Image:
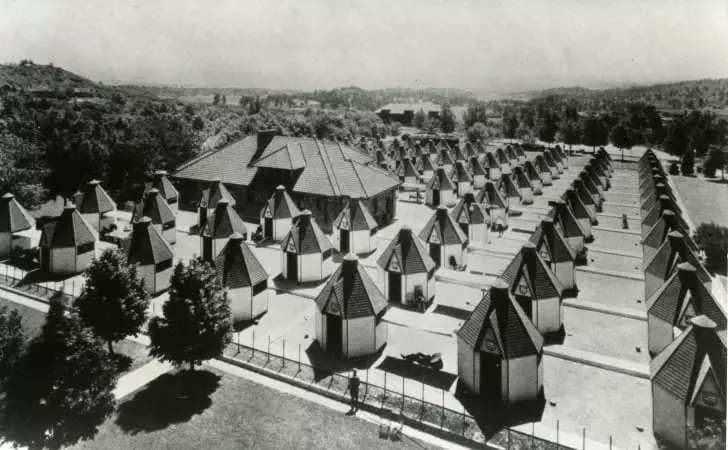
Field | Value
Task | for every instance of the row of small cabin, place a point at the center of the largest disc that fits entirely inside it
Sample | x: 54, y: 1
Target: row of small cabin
x: 686, y: 322
x: 500, y: 346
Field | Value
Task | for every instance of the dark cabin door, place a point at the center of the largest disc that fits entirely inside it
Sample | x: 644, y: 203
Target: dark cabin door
x: 201, y: 217
x: 207, y: 249
x: 395, y: 287
x: 435, y: 197
x: 268, y: 228
x: 435, y: 253
x: 45, y: 258
x: 333, y: 334
x: 490, y: 377
x: 344, y: 241
x: 527, y: 305
x: 292, y: 264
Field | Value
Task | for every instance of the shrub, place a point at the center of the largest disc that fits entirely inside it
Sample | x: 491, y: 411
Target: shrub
x: 674, y: 168
x: 713, y: 240
x: 687, y: 165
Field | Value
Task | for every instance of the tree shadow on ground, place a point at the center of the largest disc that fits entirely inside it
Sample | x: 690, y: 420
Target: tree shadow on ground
x: 325, y: 364
x: 717, y: 181
x: 283, y: 284
x: 168, y: 400
x: 429, y: 376
x: 121, y: 362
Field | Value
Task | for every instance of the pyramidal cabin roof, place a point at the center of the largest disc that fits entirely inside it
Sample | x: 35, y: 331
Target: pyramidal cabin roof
x: 666, y: 224
x: 511, y: 153
x: 445, y: 158
x: 93, y: 199
x: 280, y: 205
x: 583, y: 192
x: 684, y: 294
x: 161, y: 182
x: 501, y: 156
x: 540, y: 164
x: 13, y: 217
x: 663, y: 204
x: 521, y: 179
x: 564, y: 219
x: 441, y: 229
x: 407, y: 254
x: 237, y: 266
x: 353, y: 290
x: 507, y: 186
x: 531, y: 171
x: 440, y: 181
x: 528, y: 275
x: 214, y: 192
x: 687, y: 363
x: 519, y: 150
x: 550, y: 243
x: 355, y: 217
x: 70, y: 229
x: 577, y: 206
x: 305, y: 236
x: 548, y: 159
x: 154, y: 207
x: 147, y: 245
x: 424, y: 164
x: 459, y: 173
x: 407, y: 168
x: 673, y: 251
x: 475, y: 167
x: 489, y: 161
x: 468, y: 210
x: 224, y: 222
x: 490, y: 196
x: 499, y: 326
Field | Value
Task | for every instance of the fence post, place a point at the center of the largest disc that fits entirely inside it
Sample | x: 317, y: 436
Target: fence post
x: 402, y: 409
x: 557, y: 434
x: 299, y: 357
x: 268, y: 346
x: 583, y: 439
x: 253, y: 343
x: 610, y: 442
x: 442, y: 411
x: 533, y: 431
x: 284, y: 353
x: 237, y: 335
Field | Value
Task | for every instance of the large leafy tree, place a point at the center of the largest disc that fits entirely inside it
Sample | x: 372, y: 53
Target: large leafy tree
x: 419, y: 119
x: 510, y: 124
x: 197, y: 324
x: 548, y: 127
x: 475, y: 112
x: 713, y: 239
x: 61, y: 389
x: 677, y: 139
x: 716, y: 160
x: 477, y: 132
x: 570, y: 132
x: 12, y: 341
x: 594, y: 132
x: 114, y: 301
x: 447, y: 120
x: 621, y: 137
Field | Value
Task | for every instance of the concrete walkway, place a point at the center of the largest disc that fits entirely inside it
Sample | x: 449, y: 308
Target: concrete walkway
x: 140, y: 377
x: 612, y: 273
x: 629, y: 313
x: 618, y: 365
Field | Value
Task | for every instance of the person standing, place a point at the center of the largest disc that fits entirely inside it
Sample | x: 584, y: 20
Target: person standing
x: 354, y: 382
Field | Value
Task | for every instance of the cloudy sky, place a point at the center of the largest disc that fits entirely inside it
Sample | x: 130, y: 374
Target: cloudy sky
x: 474, y: 44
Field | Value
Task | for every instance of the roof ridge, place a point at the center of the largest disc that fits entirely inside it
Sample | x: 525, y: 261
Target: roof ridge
x: 327, y: 165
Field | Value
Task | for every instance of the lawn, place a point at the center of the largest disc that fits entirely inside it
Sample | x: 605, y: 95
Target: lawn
x: 33, y: 319
x: 226, y: 412
x: 705, y: 200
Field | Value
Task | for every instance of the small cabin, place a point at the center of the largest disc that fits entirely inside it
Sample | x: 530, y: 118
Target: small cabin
x: 278, y: 214
x: 445, y: 160
x: 350, y: 312
x: 446, y: 242
x: 462, y: 179
x: 440, y: 190
x: 67, y: 243
x: 580, y: 212
x: 551, y: 164
x: 503, y: 162
x: 14, y: 220
x: 557, y: 160
x: 355, y: 229
x: 306, y: 252
x: 160, y: 181
x: 568, y: 225
x: 533, y: 177
x: 95, y: 204
x: 688, y: 381
x: 592, y: 189
x: 599, y: 172
x: 478, y: 172
x: 244, y: 278
x: 554, y: 249
x: 472, y: 218
x: 209, y: 198
x: 507, y: 187
x: 512, y: 156
x: 407, y: 172
x: 500, y: 351
x: 679, y: 299
x: 220, y: 225
x: 495, y: 205
x: 525, y: 190
x: 152, y: 254
x: 586, y: 198
x: 596, y: 180
x: 424, y: 166
x: 406, y: 270
x: 664, y: 203
x: 659, y: 232
x: 543, y: 170
x: 536, y: 289
x: 490, y: 163
x: 157, y: 209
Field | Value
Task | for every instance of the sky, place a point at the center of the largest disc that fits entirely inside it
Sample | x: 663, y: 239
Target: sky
x: 482, y: 45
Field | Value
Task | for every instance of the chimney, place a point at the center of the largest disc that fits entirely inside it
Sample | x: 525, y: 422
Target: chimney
x: 141, y: 224
x: 264, y: 138
x: 704, y: 330
x: 348, y: 272
x: 686, y: 272
x: 236, y: 238
x: 675, y: 238
x: 499, y: 294
x: 222, y: 205
x: 668, y: 216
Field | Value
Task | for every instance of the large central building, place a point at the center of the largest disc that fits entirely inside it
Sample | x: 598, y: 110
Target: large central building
x: 318, y: 174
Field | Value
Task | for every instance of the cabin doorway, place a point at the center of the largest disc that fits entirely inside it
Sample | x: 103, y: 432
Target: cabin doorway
x: 435, y: 197
x: 292, y: 265
x: 490, y: 377
x: 435, y: 253
x: 344, y: 241
x: 395, y: 287
x: 333, y: 334
x: 268, y: 228
x: 207, y: 249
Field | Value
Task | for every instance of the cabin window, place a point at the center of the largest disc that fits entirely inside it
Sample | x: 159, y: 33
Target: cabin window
x: 172, y: 200
x: 327, y: 254
x: 162, y: 266
x: 168, y: 225
x: 85, y: 248
x: 431, y: 273
x: 319, y: 203
x: 372, y: 231
x: 260, y: 287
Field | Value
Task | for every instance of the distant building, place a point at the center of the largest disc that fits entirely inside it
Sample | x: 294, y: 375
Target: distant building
x: 495, y: 204
x: 220, y: 225
x: 543, y: 170
x: 567, y: 224
x: 534, y: 177
x: 209, y: 196
x: 472, y: 218
x: 157, y: 209
x: 166, y: 189
x: 580, y: 211
x: 553, y: 248
x: 654, y: 238
x: 404, y: 113
x: 440, y: 190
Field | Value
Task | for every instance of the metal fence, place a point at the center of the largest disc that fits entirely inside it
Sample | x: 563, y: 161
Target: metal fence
x: 45, y: 291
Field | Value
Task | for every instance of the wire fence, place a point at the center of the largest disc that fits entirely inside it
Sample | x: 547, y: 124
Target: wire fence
x: 45, y: 290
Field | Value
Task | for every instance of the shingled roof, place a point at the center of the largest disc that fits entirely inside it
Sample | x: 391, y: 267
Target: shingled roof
x: 154, y: 207
x: 498, y: 325
x: 548, y: 238
x: 280, y: 205
x: 353, y: 290
x: 163, y: 185
x: 326, y: 168
x: 673, y: 251
x: 475, y: 167
x: 565, y: 219
x: 440, y: 181
x: 459, y: 173
x: 70, y: 229
x: 442, y: 229
x: 528, y: 266
x: 214, y: 192
x: 697, y: 354
x: 305, y: 236
x: 13, y: 217
x: 355, y: 217
x: 521, y: 179
x: 577, y: 206
x: 407, y: 169
x: 531, y: 171
x: 409, y: 251
x: 93, y: 199
x: 469, y: 210
x: 237, y: 266
x: 490, y: 196
x: 424, y: 164
x: 224, y: 222
x: 147, y: 245
x: 501, y: 157
x: 663, y: 204
x: 489, y: 161
x: 667, y: 223
x: 507, y: 186
x: 540, y: 164
x: 683, y: 290
x: 583, y: 192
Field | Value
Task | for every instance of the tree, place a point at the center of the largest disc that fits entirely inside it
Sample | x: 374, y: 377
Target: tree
x: 510, y: 124
x: 548, y: 127
x: 114, y: 300
x: 621, y: 137
x: 687, y: 164
x: 61, y: 389
x: 594, y: 132
x: 716, y: 160
x: 570, y: 133
x: 12, y: 341
x: 477, y: 132
x: 431, y: 125
x: 475, y: 112
x: 419, y: 119
x: 216, y: 99
x: 676, y: 141
x: 196, y: 325
x: 699, y: 142
x: 447, y: 120
x: 713, y: 239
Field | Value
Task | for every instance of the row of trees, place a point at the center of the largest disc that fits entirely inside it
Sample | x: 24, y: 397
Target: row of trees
x: 445, y: 122
x: 58, y: 388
